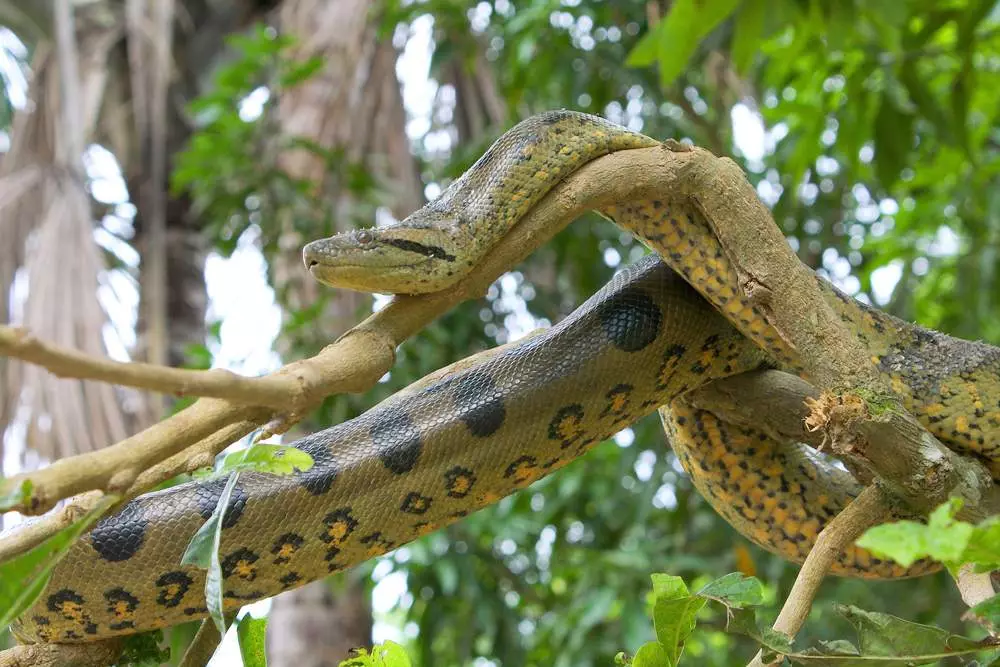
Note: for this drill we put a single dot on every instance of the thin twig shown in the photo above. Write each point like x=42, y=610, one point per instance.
x=203, y=646
x=870, y=508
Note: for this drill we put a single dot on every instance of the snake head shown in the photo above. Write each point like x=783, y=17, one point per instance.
x=393, y=259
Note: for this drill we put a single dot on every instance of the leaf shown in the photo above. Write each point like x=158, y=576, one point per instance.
x=389, y=654
x=902, y=541
x=943, y=538
x=652, y=654
x=747, y=34
x=983, y=547
x=24, y=578
x=988, y=611
x=893, y=140
x=668, y=587
x=674, y=40
x=735, y=590
x=886, y=635
x=251, y=633
x=19, y=495
x=674, y=620
x=274, y=459
x=203, y=551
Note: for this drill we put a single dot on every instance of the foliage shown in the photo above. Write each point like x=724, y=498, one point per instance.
x=942, y=538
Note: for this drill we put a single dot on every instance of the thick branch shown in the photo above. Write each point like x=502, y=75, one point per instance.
x=91, y=654
x=776, y=402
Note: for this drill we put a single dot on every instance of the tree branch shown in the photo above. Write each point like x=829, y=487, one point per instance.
x=870, y=508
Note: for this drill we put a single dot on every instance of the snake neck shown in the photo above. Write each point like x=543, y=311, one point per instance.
x=437, y=246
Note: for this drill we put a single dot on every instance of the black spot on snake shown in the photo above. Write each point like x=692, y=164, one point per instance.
x=479, y=403
x=207, y=497
x=339, y=526
x=285, y=546
x=318, y=479
x=66, y=602
x=414, y=503
x=241, y=563
x=631, y=319
x=173, y=587
x=420, y=249
x=290, y=579
x=119, y=536
x=566, y=425
x=397, y=440
x=459, y=481
x=521, y=468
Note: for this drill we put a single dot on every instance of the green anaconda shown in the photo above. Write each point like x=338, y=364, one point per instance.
x=483, y=428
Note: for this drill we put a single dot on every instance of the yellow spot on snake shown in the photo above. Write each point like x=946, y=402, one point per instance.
x=962, y=424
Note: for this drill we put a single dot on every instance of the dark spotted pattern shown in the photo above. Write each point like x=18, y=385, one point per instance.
x=567, y=426
x=121, y=607
x=173, y=586
x=619, y=399
x=397, y=441
x=208, y=496
x=522, y=469
x=631, y=320
x=241, y=563
x=289, y=580
x=339, y=526
x=415, y=503
x=70, y=605
x=119, y=536
x=479, y=403
x=318, y=479
x=285, y=547
x=459, y=482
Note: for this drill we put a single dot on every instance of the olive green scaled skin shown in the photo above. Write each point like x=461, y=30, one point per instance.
x=488, y=426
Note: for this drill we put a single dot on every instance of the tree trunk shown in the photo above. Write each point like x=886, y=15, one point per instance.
x=353, y=104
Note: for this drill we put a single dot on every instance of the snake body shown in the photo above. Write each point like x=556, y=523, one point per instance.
x=470, y=434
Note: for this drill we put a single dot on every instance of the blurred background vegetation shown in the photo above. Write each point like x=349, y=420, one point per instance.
x=156, y=187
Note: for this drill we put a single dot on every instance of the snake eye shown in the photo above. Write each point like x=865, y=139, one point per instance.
x=364, y=237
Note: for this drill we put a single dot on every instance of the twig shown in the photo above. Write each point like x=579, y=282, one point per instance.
x=275, y=391
x=201, y=648
x=870, y=508
x=92, y=654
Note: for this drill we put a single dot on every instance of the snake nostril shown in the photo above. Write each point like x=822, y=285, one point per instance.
x=312, y=263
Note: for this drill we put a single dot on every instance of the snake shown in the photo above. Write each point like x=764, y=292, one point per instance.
x=484, y=427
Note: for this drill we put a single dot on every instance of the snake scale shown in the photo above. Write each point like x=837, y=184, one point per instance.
x=474, y=432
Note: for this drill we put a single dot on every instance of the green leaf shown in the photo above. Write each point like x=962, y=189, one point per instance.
x=674, y=620
x=902, y=541
x=988, y=611
x=674, y=40
x=251, y=633
x=274, y=459
x=203, y=551
x=389, y=654
x=744, y=622
x=669, y=587
x=14, y=496
x=143, y=650
x=983, y=547
x=886, y=635
x=735, y=590
x=747, y=34
x=652, y=654
x=24, y=578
